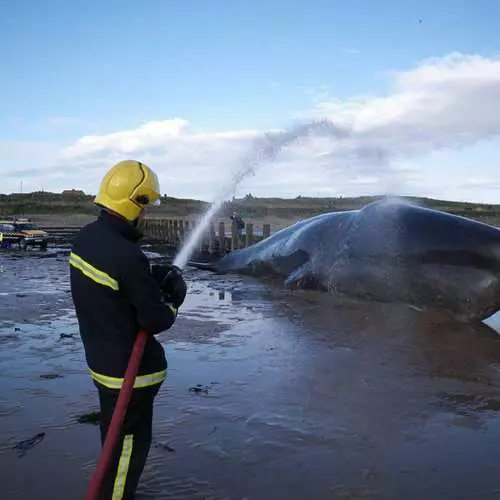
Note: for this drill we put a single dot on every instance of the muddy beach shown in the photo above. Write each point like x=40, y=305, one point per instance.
x=271, y=394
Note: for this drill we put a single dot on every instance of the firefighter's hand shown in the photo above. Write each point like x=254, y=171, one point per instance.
x=172, y=284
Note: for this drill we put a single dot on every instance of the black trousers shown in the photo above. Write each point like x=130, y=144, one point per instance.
x=134, y=442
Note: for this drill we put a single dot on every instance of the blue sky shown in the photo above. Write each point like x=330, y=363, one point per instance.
x=80, y=68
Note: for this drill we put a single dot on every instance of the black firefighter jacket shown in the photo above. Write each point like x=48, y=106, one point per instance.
x=115, y=296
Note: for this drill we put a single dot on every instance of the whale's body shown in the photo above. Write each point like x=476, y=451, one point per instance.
x=386, y=251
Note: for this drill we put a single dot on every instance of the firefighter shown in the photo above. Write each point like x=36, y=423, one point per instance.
x=116, y=294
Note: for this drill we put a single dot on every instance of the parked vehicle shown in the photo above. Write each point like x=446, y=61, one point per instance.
x=23, y=233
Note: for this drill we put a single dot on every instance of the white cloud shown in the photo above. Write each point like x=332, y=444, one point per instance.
x=20, y=155
x=448, y=103
x=482, y=183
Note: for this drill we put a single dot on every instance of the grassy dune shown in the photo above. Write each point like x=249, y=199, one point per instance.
x=55, y=209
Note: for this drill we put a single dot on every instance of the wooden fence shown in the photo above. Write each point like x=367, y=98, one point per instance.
x=218, y=239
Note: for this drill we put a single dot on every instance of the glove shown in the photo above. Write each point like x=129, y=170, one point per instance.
x=171, y=282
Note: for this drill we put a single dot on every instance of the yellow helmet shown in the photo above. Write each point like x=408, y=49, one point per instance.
x=127, y=188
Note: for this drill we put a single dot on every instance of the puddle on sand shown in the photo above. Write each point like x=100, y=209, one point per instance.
x=305, y=398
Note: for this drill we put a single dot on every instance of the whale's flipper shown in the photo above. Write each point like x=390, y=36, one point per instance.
x=290, y=263
x=271, y=263
x=303, y=278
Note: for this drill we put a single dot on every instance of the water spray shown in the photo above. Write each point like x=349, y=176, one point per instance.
x=265, y=148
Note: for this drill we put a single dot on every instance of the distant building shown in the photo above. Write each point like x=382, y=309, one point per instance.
x=73, y=192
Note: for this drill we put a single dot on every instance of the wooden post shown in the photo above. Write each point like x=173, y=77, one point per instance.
x=222, y=238
x=176, y=232
x=170, y=231
x=249, y=234
x=156, y=230
x=181, y=232
x=211, y=239
x=266, y=229
x=192, y=228
x=171, y=239
x=163, y=229
x=234, y=236
x=186, y=231
x=202, y=246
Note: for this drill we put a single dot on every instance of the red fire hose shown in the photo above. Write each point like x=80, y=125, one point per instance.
x=117, y=418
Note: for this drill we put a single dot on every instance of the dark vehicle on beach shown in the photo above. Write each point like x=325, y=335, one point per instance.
x=23, y=233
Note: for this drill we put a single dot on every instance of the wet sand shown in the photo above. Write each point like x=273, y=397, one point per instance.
x=303, y=397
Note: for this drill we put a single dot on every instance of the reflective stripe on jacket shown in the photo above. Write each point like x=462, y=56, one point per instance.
x=115, y=295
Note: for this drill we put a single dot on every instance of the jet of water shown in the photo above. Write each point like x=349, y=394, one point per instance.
x=264, y=149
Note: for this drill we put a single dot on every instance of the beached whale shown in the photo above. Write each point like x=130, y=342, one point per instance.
x=389, y=250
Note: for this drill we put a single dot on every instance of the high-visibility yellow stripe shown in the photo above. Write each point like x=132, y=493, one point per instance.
x=123, y=466
x=91, y=272
x=140, y=381
x=172, y=308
